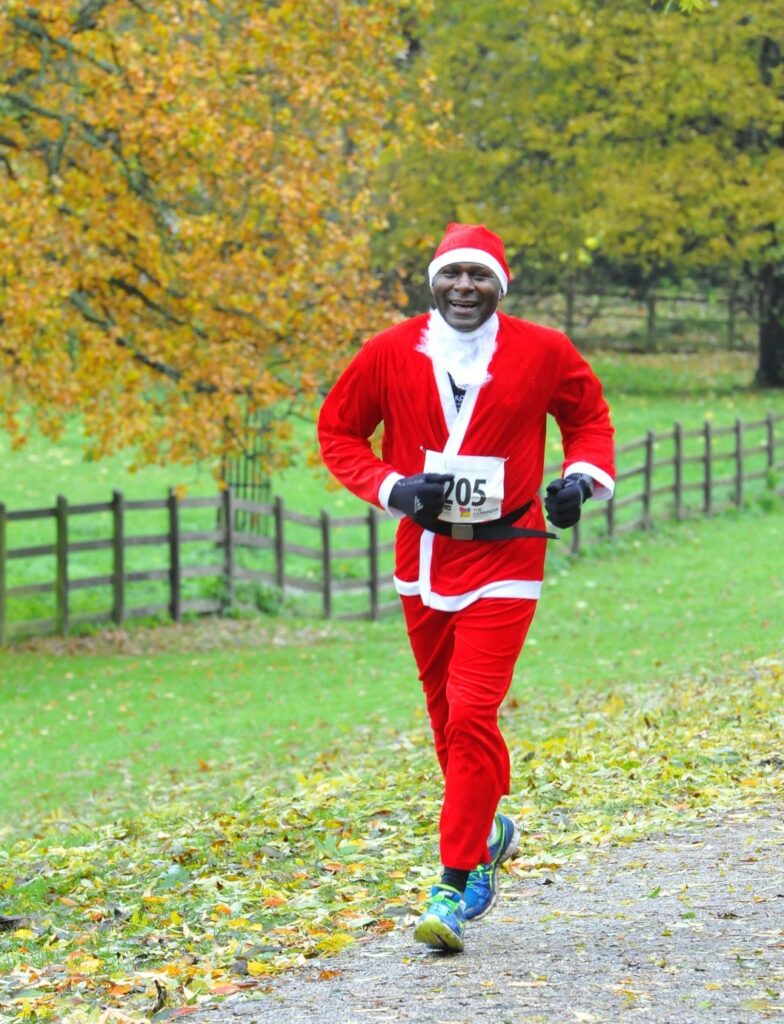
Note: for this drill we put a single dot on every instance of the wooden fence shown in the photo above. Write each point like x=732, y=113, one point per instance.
x=215, y=565
x=680, y=473
x=654, y=321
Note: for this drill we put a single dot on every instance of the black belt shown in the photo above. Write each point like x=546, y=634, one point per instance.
x=498, y=529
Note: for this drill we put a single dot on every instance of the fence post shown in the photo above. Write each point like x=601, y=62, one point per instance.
x=61, y=557
x=677, y=484
x=739, y=462
x=650, y=320
x=118, y=558
x=647, y=481
x=610, y=513
x=280, y=549
x=3, y=549
x=731, y=318
x=326, y=565
x=175, y=571
x=228, y=545
x=569, y=311
x=373, y=559
x=707, y=504
x=771, y=440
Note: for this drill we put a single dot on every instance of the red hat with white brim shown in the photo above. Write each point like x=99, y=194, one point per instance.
x=471, y=243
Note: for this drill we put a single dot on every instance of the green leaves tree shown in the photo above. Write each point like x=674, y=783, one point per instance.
x=622, y=136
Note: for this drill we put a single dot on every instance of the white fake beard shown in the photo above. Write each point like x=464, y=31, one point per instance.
x=465, y=355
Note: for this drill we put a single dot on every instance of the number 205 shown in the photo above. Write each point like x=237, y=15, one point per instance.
x=461, y=491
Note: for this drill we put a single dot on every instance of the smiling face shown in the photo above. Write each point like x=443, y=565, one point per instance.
x=466, y=294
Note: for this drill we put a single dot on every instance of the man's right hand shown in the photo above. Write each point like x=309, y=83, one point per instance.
x=420, y=496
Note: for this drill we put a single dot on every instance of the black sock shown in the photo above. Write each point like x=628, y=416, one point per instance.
x=455, y=877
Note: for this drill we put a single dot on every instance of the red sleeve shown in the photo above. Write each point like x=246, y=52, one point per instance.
x=350, y=413
x=583, y=417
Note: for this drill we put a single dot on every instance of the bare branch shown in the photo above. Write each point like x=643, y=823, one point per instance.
x=136, y=292
x=35, y=28
x=8, y=168
x=89, y=13
x=33, y=108
x=106, y=322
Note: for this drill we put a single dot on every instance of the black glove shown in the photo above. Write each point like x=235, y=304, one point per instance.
x=420, y=496
x=565, y=497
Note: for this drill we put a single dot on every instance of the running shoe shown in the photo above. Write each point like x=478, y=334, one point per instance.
x=442, y=925
x=482, y=887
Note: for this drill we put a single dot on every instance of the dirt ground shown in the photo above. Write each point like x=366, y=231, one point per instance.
x=683, y=928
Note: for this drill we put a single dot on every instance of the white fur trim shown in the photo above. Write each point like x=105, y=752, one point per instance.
x=465, y=355
x=529, y=589
x=385, y=490
x=605, y=485
x=484, y=259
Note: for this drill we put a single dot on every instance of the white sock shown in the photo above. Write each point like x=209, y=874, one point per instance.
x=495, y=832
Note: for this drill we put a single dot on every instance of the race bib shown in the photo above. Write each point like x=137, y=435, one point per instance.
x=476, y=494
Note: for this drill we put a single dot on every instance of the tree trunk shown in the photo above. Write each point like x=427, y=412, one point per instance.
x=770, y=369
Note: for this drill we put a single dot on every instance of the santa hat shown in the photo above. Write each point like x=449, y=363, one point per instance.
x=471, y=243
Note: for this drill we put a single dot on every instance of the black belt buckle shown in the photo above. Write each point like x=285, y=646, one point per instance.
x=462, y=531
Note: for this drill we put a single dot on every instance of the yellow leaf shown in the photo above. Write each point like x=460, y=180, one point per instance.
x=335, y=943
x=256, y=968
x=89, y=965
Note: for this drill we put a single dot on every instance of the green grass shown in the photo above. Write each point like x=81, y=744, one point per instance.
x=71, y=726
x=652, y=392
x=32, y=476
x=89, y=726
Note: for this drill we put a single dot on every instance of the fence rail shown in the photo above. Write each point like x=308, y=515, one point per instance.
x=207, y=561
x=656, y=320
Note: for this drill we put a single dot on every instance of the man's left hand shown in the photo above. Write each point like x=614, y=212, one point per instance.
x=564, y=499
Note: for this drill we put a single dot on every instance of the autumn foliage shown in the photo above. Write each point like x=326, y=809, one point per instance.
x=185, y=209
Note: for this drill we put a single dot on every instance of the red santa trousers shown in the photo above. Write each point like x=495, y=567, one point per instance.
x=466, y=660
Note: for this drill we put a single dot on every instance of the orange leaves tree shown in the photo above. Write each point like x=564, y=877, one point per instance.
x=186, y=206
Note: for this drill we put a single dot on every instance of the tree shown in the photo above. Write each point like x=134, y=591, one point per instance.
x=186, y=210
x=588, y=131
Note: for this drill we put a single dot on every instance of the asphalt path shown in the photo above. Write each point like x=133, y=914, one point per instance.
x=682, y=928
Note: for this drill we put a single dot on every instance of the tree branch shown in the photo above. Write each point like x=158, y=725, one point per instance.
x=7, y=164
x=107, y=324
x=137, y=293
x=35, y=28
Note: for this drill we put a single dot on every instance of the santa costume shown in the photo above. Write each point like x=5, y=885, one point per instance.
x=471, y=404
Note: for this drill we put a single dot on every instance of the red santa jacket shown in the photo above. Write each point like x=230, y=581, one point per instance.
x=534, y=371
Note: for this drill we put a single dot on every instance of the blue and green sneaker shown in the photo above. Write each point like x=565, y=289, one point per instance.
x=482, y=886
x=442, y=925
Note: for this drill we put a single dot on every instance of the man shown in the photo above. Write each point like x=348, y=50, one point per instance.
x=463, y=393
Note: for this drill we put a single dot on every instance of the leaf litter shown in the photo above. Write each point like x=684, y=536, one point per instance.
x=200, y=888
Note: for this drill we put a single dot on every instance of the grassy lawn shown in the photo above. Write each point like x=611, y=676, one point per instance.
x=86, y=727
x=206, y=867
